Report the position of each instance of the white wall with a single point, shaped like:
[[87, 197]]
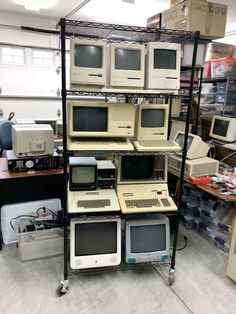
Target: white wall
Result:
[[28, 80]]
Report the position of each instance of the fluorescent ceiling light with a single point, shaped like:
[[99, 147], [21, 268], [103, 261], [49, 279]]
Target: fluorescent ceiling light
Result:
[[36, 5], [123, 12]]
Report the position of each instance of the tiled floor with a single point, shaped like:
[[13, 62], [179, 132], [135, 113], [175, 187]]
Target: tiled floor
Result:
[[201, 285]]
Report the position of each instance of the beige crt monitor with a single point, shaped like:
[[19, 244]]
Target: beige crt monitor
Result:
[[196, 148], [32, 140], [163, 66], [87, 62], [127, 62], [152, 122], [100, 119], [223, 128]]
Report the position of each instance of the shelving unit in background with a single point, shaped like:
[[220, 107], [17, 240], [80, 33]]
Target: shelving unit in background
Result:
[[119, 33]]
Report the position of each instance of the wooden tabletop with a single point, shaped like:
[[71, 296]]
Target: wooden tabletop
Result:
[[209, 189], [5, 174]]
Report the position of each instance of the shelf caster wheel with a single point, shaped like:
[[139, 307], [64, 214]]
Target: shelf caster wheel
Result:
[[171, 276], [62, 288]]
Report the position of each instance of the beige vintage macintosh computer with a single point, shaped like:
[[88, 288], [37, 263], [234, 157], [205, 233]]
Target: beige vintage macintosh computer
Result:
[[151, 129], [100, 126]]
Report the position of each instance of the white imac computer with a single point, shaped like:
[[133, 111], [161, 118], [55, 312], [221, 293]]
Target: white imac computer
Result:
[[32, 140], [196, 147], [137, 169], [95, 242], [152, 122], [147, 239], [163, 66], [127, 62], [223, 128], [87, 62]]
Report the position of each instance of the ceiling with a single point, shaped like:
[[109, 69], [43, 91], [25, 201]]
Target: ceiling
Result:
[[110, 11]]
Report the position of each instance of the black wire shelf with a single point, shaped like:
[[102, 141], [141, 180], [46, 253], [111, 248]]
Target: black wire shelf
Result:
[[124, 33]]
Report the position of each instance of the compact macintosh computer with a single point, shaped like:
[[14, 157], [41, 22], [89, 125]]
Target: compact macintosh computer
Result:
[[87, 192], [100, 125], [152, 128], [141, 184], [147, 239], [87, 63], [197, 164], [95, 242], [223, 128], [163, 66], [126, 68]]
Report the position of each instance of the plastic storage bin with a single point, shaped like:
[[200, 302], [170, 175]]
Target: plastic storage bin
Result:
[[40, 244], [188, 221], [204, 230], [222, 67]]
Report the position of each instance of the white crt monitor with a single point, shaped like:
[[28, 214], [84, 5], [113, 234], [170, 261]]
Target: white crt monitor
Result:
[[196, 147], [87, 62], [32, 140], [95, 242], [138, 169], [163, 65], [152, 122], [223, 128], [127, 65], [147, 239], [100, 119]]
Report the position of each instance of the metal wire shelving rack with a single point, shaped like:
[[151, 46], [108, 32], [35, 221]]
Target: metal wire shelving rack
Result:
[[119, 33]]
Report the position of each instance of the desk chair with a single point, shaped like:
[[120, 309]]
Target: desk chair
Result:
[[5, 135]]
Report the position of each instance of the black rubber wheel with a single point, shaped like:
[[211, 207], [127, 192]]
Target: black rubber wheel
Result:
[[60, 292]]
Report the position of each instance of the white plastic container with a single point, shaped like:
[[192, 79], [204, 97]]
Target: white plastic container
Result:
[[40, 244]]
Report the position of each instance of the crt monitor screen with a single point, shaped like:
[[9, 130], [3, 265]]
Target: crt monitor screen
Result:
[[180, 140], [152, 118], [88, 56], [220, 127], [95, 238], [148, 238], [90, 119], [164, 59], [127, 59], [83, 174], [137, 167]]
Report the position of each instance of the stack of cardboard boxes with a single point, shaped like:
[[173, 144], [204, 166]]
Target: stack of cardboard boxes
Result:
[[193, 15]]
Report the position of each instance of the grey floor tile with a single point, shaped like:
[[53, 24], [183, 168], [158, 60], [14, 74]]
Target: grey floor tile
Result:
[[201, 285]]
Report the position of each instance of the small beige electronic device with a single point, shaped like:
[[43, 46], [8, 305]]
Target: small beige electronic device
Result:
[[196, 167], [92, 201], [142, 198], [32, 140], [196, 148], [151, 129]]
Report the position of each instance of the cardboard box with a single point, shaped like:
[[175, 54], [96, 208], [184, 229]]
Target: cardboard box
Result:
[[154, 21], [197, 15]]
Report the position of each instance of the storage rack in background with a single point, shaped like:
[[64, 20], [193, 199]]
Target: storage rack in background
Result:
[[197, 89], [119, 33]]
